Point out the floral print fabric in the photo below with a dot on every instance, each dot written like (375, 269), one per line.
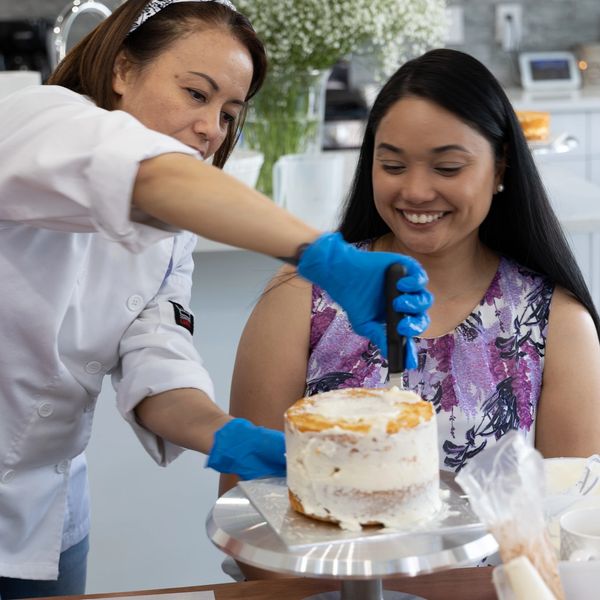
(484, 377)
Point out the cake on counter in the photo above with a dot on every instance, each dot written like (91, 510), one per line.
(363, 457)
(535, 124)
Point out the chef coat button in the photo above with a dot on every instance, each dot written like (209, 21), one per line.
(93, 367)
(62, 467)
(134, 302)
(7, 476)
(45, 409)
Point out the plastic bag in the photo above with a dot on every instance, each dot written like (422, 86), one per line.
(506, 489)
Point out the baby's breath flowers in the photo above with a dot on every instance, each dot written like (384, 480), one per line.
(306, 34)
(303, 37)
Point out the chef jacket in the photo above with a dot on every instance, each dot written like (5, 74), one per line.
(89, 287)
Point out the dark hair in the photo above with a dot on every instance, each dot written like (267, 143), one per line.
(88, 67)
(521, 223)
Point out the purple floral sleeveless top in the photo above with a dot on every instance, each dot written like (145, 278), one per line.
(484, 378)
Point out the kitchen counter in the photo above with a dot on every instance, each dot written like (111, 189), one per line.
(463, 584)
(586, 98)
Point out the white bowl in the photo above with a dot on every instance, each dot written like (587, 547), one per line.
(245, 165)
(561, 475)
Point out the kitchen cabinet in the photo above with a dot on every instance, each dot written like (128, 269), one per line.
(594, 134)
(595, 170)
(576, 113)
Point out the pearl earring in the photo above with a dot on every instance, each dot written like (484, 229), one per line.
(500, 187)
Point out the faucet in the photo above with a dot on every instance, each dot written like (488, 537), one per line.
(64, 21)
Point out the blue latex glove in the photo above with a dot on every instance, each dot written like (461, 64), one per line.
(414, 305)
(355, 279)
(248, 450)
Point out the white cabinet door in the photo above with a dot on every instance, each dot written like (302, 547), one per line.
(594, 135)
(595, 171)
(567, 162)
(574, 124)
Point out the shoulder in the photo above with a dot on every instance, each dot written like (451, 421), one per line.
(282, 314)
(286, 292)
(287, 280)
(50, 96)
(569, 316)
(572, 338)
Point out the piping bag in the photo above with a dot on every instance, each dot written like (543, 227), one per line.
(505, 485)
(396, 343)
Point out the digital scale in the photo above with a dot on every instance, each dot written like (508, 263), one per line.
(548, 71)
(255, 524)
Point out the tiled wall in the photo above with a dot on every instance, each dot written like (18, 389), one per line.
(548, 25)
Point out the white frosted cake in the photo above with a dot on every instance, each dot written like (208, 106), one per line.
(363, 457)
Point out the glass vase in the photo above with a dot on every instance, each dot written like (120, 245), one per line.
(286, 117)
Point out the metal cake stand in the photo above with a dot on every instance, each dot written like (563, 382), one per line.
(254, 524)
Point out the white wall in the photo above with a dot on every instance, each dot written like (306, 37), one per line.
(148, 522)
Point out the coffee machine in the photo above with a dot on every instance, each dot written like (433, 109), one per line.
(24, 46)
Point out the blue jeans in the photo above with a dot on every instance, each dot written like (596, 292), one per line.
(72, 570)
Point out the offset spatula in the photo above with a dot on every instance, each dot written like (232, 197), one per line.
(396, 343)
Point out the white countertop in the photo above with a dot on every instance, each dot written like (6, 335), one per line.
(586, 98)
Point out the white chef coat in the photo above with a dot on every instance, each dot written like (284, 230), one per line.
(87, 290)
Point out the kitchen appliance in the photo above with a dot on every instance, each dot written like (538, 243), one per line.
(24, 46)
(345, 111)
(549, 71)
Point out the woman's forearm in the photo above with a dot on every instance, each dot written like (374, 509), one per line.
(186, 417)
(186, 193)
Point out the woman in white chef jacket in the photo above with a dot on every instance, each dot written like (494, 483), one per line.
(99, 175)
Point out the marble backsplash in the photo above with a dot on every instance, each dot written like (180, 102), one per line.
(547, 25)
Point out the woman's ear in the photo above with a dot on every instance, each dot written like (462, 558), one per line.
(122, 73)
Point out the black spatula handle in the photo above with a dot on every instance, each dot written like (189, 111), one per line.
(396, 343)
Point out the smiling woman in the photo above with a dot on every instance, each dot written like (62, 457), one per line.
(433, 181)
(445, 175)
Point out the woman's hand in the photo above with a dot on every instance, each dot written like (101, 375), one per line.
(355, 279)
(248, 451)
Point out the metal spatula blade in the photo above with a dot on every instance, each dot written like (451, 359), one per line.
(396, 343)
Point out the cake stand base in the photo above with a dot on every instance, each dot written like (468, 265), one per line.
(371, 589)
(254, 524)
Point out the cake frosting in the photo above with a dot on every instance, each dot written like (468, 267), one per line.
(363, 457)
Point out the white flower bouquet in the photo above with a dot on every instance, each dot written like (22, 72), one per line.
(314, 34)
(306, 37)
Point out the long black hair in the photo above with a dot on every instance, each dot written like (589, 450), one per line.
(521, 223)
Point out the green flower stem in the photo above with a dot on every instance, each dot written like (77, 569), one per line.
(286, 118)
